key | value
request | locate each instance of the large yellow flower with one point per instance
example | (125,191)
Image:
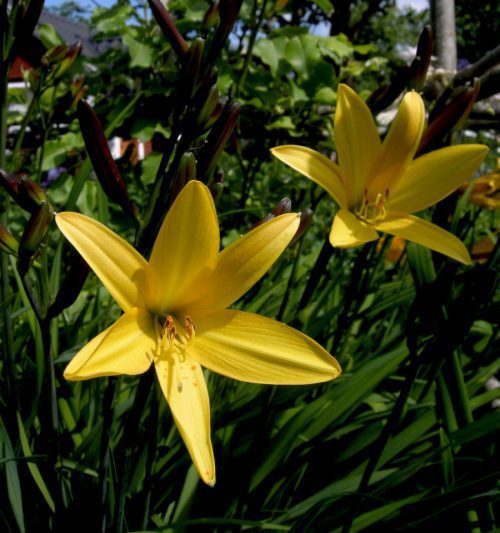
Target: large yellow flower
(175,312)
(378,184)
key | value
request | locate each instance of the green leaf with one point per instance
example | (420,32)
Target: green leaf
(49,36)
(141,54)
(33,468)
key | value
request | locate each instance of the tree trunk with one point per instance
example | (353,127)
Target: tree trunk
(443,12)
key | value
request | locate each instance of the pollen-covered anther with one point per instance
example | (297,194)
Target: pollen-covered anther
(190,327)
(373,211)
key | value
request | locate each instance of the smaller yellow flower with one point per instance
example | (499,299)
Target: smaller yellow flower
(485,190)
(378,185)
(175,314)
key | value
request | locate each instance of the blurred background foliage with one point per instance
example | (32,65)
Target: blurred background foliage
(407,438)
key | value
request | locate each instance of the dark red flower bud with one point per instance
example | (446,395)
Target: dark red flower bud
(168,27)
(26,193)
(306,218)
(420,65)
(104,165)
(211,17)
(34,234)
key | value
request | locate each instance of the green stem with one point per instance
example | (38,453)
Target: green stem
(291,280)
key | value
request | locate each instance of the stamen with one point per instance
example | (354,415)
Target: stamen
(372,211)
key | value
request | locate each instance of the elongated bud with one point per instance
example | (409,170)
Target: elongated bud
(385,95)
(168,27)
(208,107)
(228,13)
(8,243)
(69,58)
(104,166)
(186,171)
(217,139)
(467,111)
(54,55)
(191,67)
(71,285)
(34,234)
(211,17)
(282,207)
(450,115)
(420,65)
(306,218)
(27,194)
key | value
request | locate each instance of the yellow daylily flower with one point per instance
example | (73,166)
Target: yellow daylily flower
(378,185)
(485,190)
(175,312)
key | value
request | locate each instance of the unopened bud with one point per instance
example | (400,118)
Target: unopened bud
(450,115)
(217,139)
(33,191)
(420,65)
(54,55)
(211,17)
(282,207)
(35,232)
(228,14)
(306,218)
(71,285)
(27,194)
(384,96)
(217,188)
(208,107)
(168,27)
(186,171)
(191,67)
(70,57)
(100,155)
(8,243)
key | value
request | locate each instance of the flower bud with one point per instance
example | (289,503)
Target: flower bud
(168,27)
(100,155)
(217,139)
(8,243)
(29,19)
(69,58)
(191,68)
(385,95)
(54,55)
(306,218)
(211,17)
(420,65)
(26,193)
(71,285)
(282,207)
(186,171)
(448,118)
(208,107)
(228,13)
(34,233)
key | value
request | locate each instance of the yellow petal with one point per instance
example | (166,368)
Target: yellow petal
(400,144)
(316,167)
(425,233)
(185,389)
(349,231)
(256,349)
(245,261)
(127,347)
(119,266)
(432,177)
(357,140)
(185,250)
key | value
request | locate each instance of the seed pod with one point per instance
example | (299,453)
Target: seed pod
(420,65)
(34,233)
(71,285)
(104,165)
(8,243)
(168,27)
(217,139)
